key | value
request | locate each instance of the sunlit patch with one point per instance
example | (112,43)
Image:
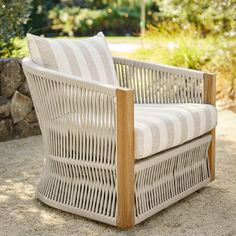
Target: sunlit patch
(172,45)
(123,47)
(4,198)
(109,10)
(17,214)
(32,210)
(49,218)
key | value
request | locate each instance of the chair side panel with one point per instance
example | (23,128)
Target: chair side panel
(79,134)
(165,178)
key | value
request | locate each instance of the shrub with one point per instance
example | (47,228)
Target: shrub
(223,63)
(13,17)
(39,22)
(115,19)
(189,49)
(175,47)
(208,16)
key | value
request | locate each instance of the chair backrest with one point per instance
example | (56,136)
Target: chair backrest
(88,58)
(54,93)
(67,107)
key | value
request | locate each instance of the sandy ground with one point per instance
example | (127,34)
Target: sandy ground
(211,211)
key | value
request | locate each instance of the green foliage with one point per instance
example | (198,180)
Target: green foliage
(223,63)
(38,22)
(208,16)
(100,4)
(82,21)
(13,16)
(176,47)
(190,49)
(116,19)
(84,16)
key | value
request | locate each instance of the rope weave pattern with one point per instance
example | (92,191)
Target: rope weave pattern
(169,177)
(78,127)
(153,83)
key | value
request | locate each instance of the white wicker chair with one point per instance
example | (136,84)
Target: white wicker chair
(88,135)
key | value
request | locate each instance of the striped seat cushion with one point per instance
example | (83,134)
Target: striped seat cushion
(89,59)
(159,127)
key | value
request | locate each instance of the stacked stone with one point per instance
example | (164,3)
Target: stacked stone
(17,115)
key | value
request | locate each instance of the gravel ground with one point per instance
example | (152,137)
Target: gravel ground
(211,211)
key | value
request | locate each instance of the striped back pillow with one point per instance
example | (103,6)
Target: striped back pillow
(89,58)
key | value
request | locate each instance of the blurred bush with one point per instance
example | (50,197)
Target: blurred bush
(13,17)
(115,19)
(122,17)
(208,16)
(169,44)
(198,35)
(223,63)
(39,22)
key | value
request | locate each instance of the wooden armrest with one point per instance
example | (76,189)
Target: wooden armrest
(210,98)
(209,89)
(125,158)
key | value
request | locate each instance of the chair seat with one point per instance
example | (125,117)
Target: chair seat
(159,127)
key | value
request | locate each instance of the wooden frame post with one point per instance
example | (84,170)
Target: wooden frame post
(210,98)
(125,158)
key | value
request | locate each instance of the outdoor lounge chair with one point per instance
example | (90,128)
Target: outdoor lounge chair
(119,153)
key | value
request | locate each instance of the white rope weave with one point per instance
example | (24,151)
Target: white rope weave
(77,120)
(154,83)
(166,178)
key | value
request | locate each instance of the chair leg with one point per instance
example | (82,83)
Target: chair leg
(125,159)
(211,154)
(210,98)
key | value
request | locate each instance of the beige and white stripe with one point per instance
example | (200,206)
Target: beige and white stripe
(89,59)
(159,127)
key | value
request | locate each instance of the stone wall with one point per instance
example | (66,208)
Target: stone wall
(17,115)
